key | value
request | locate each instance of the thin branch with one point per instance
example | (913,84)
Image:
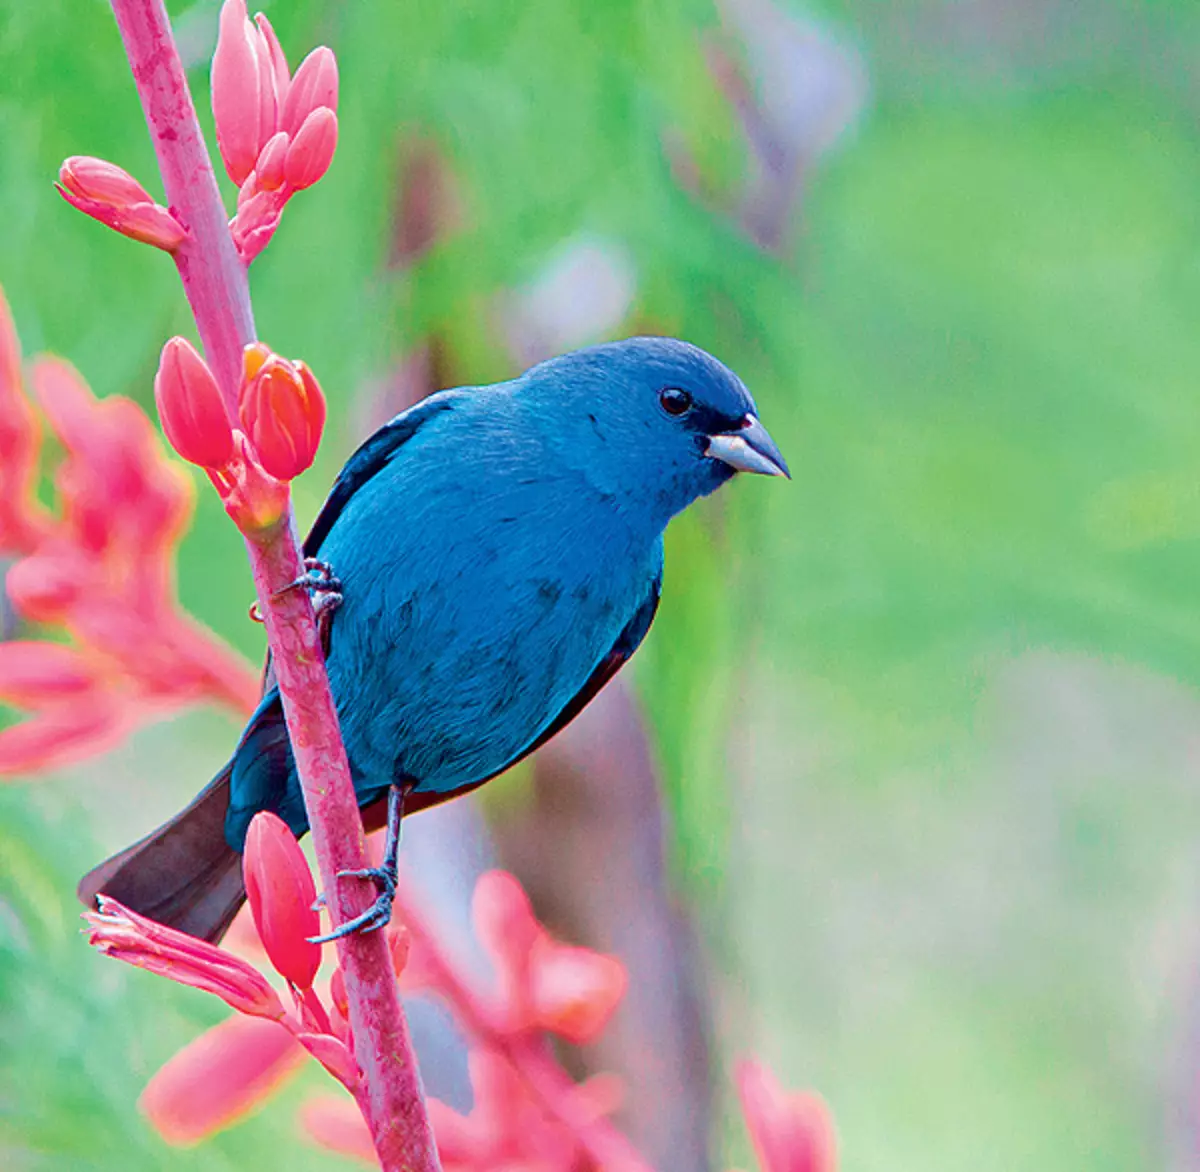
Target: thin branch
(215,282)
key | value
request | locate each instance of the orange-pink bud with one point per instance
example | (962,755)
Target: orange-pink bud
(111,195)
(268,170)
(311,151)
(190,406)
(280,889)
(244,101)
(315,85)
(282,411)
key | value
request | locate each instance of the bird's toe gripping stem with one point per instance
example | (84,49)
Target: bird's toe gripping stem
(321,582)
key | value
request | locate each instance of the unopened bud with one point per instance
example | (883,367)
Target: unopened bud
(190,406)
(311,151)
(111,195)
(281,892)
(282,411)
(315,85)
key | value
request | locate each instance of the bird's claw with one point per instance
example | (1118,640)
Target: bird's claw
(377,915)
(320,581)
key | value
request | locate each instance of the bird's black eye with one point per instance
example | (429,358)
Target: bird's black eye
(674,401)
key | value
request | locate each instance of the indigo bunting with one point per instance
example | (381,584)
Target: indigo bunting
(498,552)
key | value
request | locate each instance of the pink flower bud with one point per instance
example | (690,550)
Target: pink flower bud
(282,411)
(268,170)
(191,408)
(280,889)
(102,181)
(244,101)
(315,85)
(279,63)
(105,192)
(311,151)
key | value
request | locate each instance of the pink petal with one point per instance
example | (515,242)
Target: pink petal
(337,1124)
(219,1077)
(236,91)
(790,1131)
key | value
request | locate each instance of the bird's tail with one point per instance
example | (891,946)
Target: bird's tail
(184,874)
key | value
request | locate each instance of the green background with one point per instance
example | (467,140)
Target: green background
(928,714)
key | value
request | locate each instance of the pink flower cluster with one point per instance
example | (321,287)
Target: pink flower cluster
(528,1114)
(99,567)
(281,410)
(282,899)
(276,132)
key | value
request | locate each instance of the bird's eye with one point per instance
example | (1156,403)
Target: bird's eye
(674,401)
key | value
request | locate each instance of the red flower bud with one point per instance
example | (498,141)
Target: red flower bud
(282,411)
(311,151)
(280,889)
(190,406)
(105,192)
(315,85)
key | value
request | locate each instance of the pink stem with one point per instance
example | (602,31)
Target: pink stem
(215,282)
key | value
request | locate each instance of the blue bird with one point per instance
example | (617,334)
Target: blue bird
(498,552)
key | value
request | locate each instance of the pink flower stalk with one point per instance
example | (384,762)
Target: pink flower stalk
(190,406)
(791,1131)
(282,409)
(214,278)
(105,192)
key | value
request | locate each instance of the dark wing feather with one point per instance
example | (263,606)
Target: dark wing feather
(372,455)
(369,458)
(627,643)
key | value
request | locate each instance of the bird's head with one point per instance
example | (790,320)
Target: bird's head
(653,422)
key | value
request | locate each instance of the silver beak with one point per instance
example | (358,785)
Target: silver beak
(749,449)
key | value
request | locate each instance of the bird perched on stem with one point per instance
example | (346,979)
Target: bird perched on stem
(497,556)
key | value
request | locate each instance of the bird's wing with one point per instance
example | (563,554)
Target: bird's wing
(626,644)
(373,454)
(369,458)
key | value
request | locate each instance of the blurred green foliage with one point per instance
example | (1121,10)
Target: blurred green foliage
(926,714)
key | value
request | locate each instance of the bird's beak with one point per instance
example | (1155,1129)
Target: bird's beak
(748,449)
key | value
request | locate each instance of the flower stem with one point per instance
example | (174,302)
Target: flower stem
(214,280)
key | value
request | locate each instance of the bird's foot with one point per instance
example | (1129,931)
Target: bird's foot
(321,582)
(378,914)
